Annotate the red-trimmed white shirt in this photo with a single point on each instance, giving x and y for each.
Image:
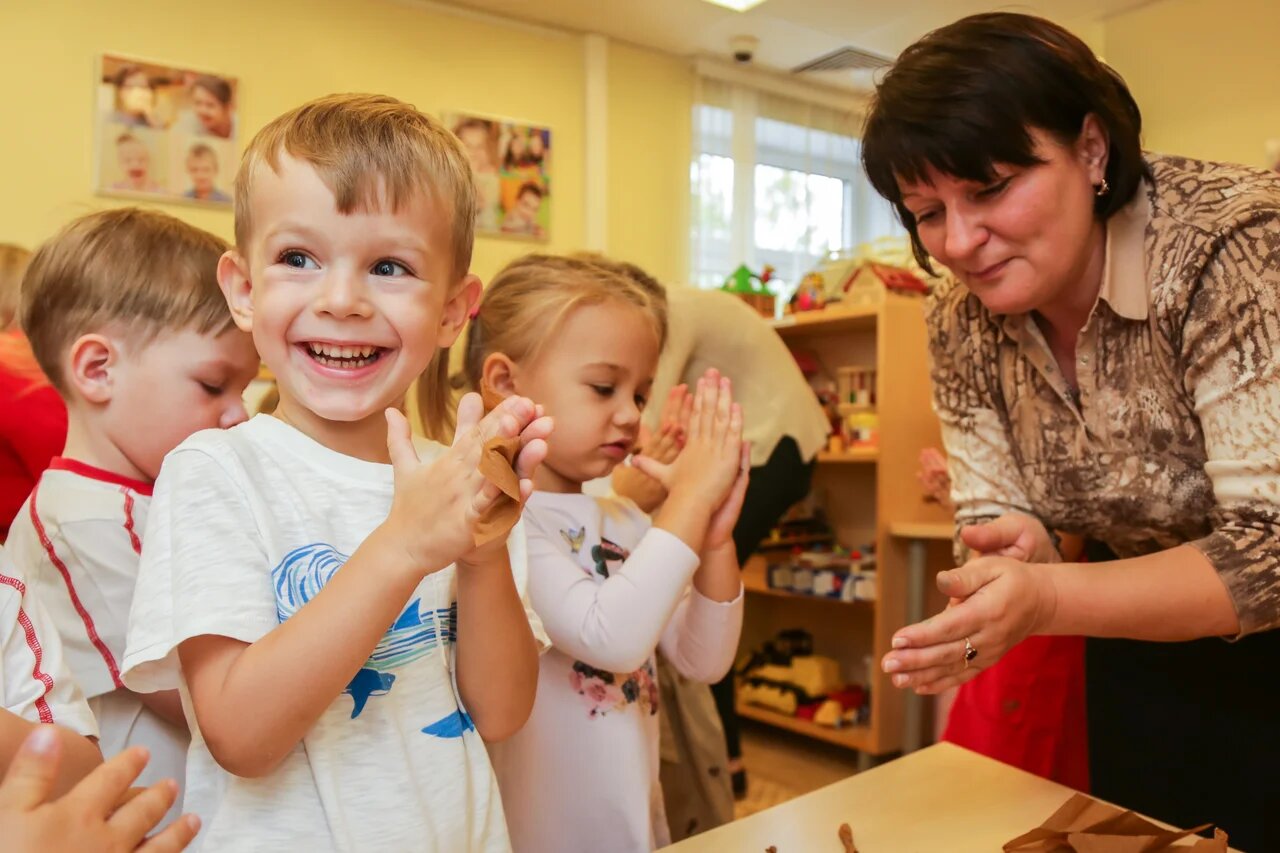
(78, 539)
(33, 675)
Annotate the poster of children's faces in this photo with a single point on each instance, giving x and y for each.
(164, 133)
(512, 165)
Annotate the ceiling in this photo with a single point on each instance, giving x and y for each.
(791, 32)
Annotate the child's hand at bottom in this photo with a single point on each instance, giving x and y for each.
(98, 814)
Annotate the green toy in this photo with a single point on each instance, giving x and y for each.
(743, 280)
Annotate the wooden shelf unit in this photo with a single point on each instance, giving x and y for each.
(862, 501)
(852, 737)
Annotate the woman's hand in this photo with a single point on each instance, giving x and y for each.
(1015, 534)
(996, 603)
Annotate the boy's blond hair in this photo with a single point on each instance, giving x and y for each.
(525, 304)
(141, 270)
(13, 261)
(370, 150)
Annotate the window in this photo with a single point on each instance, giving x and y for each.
(775, 182)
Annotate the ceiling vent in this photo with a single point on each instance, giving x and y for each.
(844, 59)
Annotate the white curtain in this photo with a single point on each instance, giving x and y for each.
(775, 181)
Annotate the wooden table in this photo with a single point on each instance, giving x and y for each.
(941, 798)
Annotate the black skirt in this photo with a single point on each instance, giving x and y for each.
(1189, 733)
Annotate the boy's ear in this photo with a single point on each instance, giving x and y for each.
(457, 308)
(90, 367)
(237, 289)
(498, 375)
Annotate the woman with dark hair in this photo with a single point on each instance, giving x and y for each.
(1105, 363)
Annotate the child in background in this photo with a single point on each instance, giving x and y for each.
(35, 686)
(125, 317)
(56, 793)
(202, 167)
(335, 601)
(33, 419)
(608, 585)
(134, 158)
(13, 263)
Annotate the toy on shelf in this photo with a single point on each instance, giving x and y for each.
(752, 288)
(900, 281)
(859, 425)
(828, 397)
(804, 524)
(862, 276)
(826, 282)
(861, 429)
(845, 707)
(857, 388)
(785, 676)
(870, 281)
(835, 573)
(808, 362)
(810, 295)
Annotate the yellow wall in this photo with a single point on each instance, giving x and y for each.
(650, 139)
(1206, 74)
(287, 51)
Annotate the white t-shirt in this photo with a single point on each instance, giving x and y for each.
(582, 775)
(79, 540)
(37, 685)
(246, 526)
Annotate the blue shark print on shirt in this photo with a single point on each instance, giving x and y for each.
(368, 682)
(304, 571)
(455, 725)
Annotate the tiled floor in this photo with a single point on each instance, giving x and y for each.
(782, 766)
